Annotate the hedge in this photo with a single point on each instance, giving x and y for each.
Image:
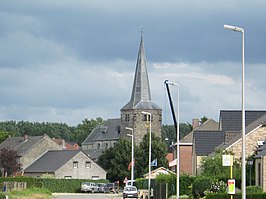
(53, 185)
(236, 196)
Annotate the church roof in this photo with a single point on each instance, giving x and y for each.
(110, 130)
(141, 95)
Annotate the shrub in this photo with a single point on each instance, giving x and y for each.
(200, 185)
(253, 189)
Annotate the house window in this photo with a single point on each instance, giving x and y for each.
(106, 145)
(75, 164)
(88, 165)
(68, 177)
(98, 146)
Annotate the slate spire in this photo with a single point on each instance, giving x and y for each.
(141, 87)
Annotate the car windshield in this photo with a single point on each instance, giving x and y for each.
(130, 189)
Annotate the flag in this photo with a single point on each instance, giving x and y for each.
(130, 164)
(154, 163)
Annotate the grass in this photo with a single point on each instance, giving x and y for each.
(32, 193)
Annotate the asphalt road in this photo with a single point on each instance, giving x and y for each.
(85, 196)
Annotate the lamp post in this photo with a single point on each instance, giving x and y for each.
(149, 182)
(177, 139)
(132, 153)
(238, 29)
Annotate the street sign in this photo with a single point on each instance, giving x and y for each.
(231, 186)
(227, 160)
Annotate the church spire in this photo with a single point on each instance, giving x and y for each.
(141, 87)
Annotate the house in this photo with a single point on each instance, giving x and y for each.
(158, 171)
(186, 146)
(260, 169)
(229, 135)
(67, 164)
(30, 148)
(131, 115)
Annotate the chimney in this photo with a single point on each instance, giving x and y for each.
(26, 137)
(195, 123)
(63, 144)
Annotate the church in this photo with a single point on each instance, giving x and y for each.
(105, 136)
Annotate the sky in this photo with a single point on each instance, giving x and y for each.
(64, 61)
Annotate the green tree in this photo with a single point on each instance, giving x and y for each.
(84, 129)
(212, 167)
(3, 136)
(116, 160)
(159, 151)
(169, 132)
(203, 119)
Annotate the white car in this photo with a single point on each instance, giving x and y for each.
(89, 187)
(130, 192)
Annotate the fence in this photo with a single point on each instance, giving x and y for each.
(11, 186)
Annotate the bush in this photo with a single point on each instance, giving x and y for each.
(200, 185)
(236, 196)
(253, 189)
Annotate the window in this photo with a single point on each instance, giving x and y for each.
(75, 164)
(88, 165)
(68, 177)
(146, 117)
(98, 146)
(106, 145)
(127, 117)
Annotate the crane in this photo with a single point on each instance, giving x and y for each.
(166, 82)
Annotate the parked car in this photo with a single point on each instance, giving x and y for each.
(101, 187)
(89, 187)
(130, 192)
(110, 188)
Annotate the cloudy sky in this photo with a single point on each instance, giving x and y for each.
(64, 61)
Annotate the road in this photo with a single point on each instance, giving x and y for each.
(85, 196)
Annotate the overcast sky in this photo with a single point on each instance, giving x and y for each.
(64, 61)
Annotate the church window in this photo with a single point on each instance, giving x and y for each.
(127, 118)
(146, 117)
(98, 146)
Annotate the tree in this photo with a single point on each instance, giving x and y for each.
(169, 132)
(212, 166)
(3, 136)
(159, 151)
(203, 119)
(9, 161)
(84, 129)
(116, 160)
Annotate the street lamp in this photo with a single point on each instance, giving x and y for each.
(177, 139)
(237, 29)
(149, 182)
(132, 153)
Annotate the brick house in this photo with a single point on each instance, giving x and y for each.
(67, 164)
(231, 137)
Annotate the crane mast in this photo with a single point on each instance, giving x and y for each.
(171, 103)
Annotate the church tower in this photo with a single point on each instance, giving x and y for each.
(131, 113)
